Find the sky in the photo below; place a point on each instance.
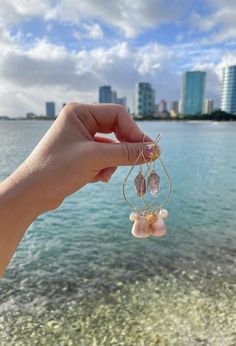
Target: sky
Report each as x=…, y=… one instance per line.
x=64, y=50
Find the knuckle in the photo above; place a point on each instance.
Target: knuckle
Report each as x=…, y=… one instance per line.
x=128, y=152
x=69, y=110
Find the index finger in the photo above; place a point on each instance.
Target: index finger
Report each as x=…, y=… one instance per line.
x=107, y=118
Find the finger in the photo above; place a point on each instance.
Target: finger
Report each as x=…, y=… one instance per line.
x=105, y=174
x=123, y=154
x=107, y=118
x=104, y=139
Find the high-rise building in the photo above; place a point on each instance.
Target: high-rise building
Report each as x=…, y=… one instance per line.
x=162, y=106
x=174, y=108
x=193, y=92
x=144, y=99
x=105, y=94
x=209, y=106
x=50, y=109
x=113, y=96
x=121, y=101
x=228, y=92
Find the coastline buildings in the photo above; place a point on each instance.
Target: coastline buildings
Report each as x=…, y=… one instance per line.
x=144, y=99
x=121, y=101
x=50, y=109
x=162, y=108
x=193, y=92
x=228, y=91
x=174, y=108
x=107, y=95
x=209, y=106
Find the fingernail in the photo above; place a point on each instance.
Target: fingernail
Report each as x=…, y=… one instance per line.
x=151, y=151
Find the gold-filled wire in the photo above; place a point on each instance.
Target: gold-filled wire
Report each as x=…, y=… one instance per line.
x=151, y=205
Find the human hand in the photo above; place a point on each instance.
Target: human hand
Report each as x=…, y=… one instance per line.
x=71, y=154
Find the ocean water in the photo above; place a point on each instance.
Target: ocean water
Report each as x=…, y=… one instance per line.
x=80, y=278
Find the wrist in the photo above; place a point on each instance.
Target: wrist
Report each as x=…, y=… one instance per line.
x=19, y=194
x=22, y=189
x=19, y=206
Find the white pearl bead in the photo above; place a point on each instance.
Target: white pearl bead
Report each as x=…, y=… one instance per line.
x=133, y=216
x=163, y=213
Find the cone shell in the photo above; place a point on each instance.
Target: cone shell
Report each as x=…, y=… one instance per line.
x=141, y=228
x=158, y=229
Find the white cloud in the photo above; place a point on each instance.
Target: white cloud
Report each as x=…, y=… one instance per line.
x=221, y=20
x=91, y=31
x=130, y=17
x=94, y=30
x=13, y=11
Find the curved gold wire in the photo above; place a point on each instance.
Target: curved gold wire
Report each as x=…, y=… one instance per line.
x=141, y=154
x=169, y=188
x=151, y=205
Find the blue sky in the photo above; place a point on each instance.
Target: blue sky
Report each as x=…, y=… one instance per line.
x=63, y=50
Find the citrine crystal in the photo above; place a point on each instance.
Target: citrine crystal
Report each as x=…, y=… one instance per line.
x=153, y=182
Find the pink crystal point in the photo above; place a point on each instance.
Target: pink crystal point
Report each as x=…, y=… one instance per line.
x=153, y=182
x=140, y=184
x=158, y=229
x=141, y=228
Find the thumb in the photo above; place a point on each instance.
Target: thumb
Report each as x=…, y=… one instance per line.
x=126, y=154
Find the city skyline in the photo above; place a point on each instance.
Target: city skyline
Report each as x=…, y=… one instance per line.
x=66, y=50
x=192, y=100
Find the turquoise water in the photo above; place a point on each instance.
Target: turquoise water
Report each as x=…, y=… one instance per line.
x=80, y=278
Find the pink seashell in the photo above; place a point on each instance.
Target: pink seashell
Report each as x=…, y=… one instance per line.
x=158, y=228
x=141, y=228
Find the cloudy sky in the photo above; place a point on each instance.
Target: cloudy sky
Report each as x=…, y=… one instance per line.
x=63, y=50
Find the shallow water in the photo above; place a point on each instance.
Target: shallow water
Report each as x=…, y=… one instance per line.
x=80, y=278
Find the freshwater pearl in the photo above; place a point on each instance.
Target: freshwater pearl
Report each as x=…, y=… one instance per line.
x=133, y=216
x=158, y=228
x=141, y=228
x=152, y=218
x=163, y=213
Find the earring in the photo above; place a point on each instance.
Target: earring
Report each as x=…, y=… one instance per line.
x=148, y=221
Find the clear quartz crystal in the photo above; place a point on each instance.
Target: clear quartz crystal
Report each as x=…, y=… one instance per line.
x=140, y=184
x=153, y=183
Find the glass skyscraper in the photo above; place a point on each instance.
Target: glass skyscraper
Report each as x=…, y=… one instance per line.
x=50, y=109
x=105, y=94
x=193, y=93
x=228, y=92
x=144, y=99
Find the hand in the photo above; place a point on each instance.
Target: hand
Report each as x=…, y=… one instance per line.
x=71, y=154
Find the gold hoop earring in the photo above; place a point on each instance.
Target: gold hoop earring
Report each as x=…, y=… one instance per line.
x=148, y=220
